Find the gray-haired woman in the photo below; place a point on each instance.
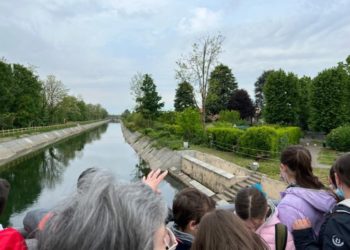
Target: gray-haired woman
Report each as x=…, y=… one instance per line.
x=109, y=216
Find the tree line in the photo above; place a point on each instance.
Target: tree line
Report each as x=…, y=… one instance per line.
x=26, y=100
x=318, y=104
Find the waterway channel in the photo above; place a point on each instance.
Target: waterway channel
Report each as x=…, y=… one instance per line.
x=48, y=176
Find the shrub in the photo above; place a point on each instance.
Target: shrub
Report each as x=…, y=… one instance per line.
x=223, y=137
x=137, y=121
x=339, y=138
x=190, y=123
x=173, y=129
x=287, y=136
x=258, y=141
x=229, y=116
x=168, y=117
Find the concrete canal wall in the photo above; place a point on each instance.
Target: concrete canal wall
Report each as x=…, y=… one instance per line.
x=210, y=174
x=11, y=150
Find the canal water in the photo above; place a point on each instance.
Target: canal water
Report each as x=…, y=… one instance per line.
x=50, y=175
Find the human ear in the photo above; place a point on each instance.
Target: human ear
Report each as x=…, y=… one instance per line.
x=338, y=181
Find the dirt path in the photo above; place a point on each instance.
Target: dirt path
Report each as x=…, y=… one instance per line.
x=315, y=151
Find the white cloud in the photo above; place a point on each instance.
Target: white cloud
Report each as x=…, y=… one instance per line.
x=202, y=20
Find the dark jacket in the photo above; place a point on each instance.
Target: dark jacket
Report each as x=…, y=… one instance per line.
x=184, y=240
x=334, y=233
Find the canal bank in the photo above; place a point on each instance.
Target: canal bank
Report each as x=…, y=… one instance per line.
x=17, y=148
x=212, y=175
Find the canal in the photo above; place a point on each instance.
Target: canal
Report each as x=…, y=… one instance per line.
x=50, y=175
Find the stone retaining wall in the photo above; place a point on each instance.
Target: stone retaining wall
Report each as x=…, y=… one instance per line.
x=14, y=149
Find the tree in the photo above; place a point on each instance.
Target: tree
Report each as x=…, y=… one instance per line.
x=222, y=84
x=241, y=101
x=27, y=104
x=328, y=99
x=184, y=97
x=259, y=86
x=304, y=85
x=196, y=67
x=281, y=98
x=149, y=103
x=6, y=96
x=54, y=92
x=135, y=85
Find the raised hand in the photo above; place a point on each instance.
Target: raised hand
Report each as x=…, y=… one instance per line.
x=154, y=178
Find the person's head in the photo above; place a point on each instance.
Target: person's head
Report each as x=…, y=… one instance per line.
x=108, y=216
x=332, y=181
x=342, y=172
x=91, y=175
x=189, y=206
x=251, y=206
x=296, y=168
x=221, y=229
x=4, y=192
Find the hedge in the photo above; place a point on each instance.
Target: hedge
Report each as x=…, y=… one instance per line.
x=267, y=141
x=339, y=138
x=224, y=138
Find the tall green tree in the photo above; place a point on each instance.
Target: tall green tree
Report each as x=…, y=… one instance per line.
x=328, y=99
x=27, y=90
x=259, y=87
x=149, y=103
x=281, y=98
x=222, y=85
x=304, y=88
x=184, y=97
x=6, y=96
x=241, y=101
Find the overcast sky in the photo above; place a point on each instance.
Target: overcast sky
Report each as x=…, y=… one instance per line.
x=95, y=46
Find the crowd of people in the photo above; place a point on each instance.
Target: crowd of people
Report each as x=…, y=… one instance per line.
x=103, y=214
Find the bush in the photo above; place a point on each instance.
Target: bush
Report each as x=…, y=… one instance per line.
x=190, y=123
x=229, y=116
x=339, y=138
x=224, y=138
x=287, y=136
x=268, y=141
x=173, y=129
x=258, y=141
x=168, y=117
x=137, y=121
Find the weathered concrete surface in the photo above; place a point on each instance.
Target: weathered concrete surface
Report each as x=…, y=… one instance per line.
x=156, y=158
x=206, y=172
x=11, y=150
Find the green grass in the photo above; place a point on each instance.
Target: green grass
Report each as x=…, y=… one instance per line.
x=327, y=156
x=268, y=167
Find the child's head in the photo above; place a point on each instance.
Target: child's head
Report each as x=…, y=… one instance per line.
x=296, y=168
x=332, y=181
x=251, y=206
x=4, y=192
x=221, y=229
x=342, y=171
x=189, y=206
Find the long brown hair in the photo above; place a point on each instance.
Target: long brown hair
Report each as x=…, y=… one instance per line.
x=298, y=159
x=250, y=203
x=223, y=230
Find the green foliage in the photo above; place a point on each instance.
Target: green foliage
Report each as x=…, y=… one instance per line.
x=136, y=121
x=149, y=103
x=268, y=141
x=258, y=141
x=168, y=117
x=222, y=84
x=287, y=136
x=329, y=102
x=241, y=101
x=224, y=138
x=184, y=97
x=229, y=116
x=259, y=86
x=339, y=138
x=190, y=122
x=281, y=98
x=304, y=87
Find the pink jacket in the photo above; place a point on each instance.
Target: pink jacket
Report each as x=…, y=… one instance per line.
x=267, y=232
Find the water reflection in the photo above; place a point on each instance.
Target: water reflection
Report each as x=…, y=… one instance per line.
x=28, y=176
